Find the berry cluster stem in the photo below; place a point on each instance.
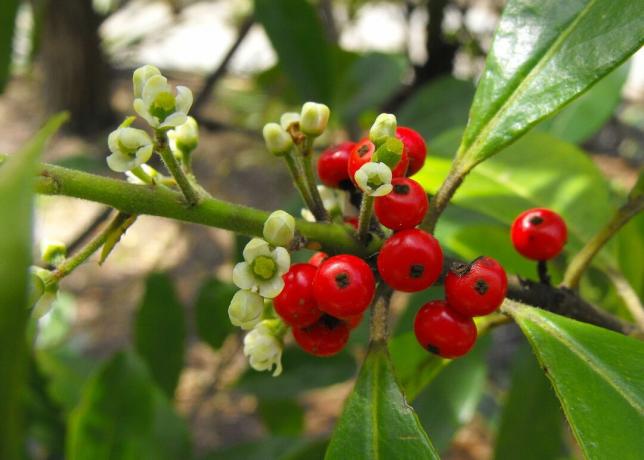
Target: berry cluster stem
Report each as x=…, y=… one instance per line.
x=299, y=181
x=318, y=209
x=378, y=328
x=366, y=210
x=439, y=202
x=162, y=148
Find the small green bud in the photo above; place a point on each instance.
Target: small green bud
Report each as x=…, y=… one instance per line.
x=42, y=291
x=279, y=228
x=185, y=137
x=246, y=309
x=278, y=141
x=383, y=128
x=314, y=118
x=52, y=252
x=288, y=119
x=389, y=152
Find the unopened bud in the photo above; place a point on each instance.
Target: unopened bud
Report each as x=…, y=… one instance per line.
x=246, y=309
x=279, y=228
x=52, y=252
x=288, y=119
x=278, y=141
x=314, y=118
x=383, y=128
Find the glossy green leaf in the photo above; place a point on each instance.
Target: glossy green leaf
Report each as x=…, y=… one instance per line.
x=451, y=399
x=587, y=114
x=531, y=423
x=356, y=94
x=160, y=331
x=377, y=422
x=296, y=33
x=16, y=203
x=598, y=376
x=8, y=13
x=282, y=417
x=437, y=106
x=544, y=54
x=211, y=312
x=123, y=415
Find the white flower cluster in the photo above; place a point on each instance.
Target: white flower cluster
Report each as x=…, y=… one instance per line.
x=259, y=277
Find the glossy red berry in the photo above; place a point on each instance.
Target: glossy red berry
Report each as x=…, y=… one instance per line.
x=411, y=260
x=539, y=234
x=344, y=286
x=353, y=321
x=404, y=207
x=296, y=304
x=443, y=331
x=325, y=337
x=476, y=289
x=363, y=151
x=415, y=146
x=332, y=166
x=317, y=258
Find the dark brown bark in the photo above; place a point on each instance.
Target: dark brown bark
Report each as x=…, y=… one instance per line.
x=75, y=73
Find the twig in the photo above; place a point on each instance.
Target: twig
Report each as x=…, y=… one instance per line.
x=89, y=230
x=318, y=210
x=189, y=192
x=299, y=181
x=378, y=326
x=629, y=296
x=211, y=80
x=443, y=196
x=364, y=222
x=542, y=271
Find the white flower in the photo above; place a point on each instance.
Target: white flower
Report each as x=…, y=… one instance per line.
x=246, y=309
x=383, y=128
x=374, y=179
x=288, y=119
x=329, y=197
x=278, y=141
x=184, y=138
x=314, y=118
x=279, y=228
x=141, y=76
x=263, y=349
x=157, y=104
x=130, y=148
x=262, y=268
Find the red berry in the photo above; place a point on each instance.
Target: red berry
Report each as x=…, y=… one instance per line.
x=317, y=258
x=363, y=151
x=476, y=289
x=353, y=321
x=539, y=234
x=443, y=331
x=332, y=166
x=411, y=260
x=326, y=337
x=415, y=146
x=353, y=221
x=296, y=303
x=404, y=207
x=344, y=286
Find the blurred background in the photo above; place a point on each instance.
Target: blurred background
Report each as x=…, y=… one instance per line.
x=246, y=63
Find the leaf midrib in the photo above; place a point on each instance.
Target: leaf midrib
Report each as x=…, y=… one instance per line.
x=519, y=89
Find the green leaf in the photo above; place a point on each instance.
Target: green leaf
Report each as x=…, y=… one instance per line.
x=544, y=54
x=451, y=399
x=16, y=203
x=296, y=33
x=160, y=332
x=362, y=89
x=211, y=311
x=586, y=115
x=123, y=415
x=8, y=13
x=437, y=106
x=302, y=372
x=273, y=448
x=598, y=377
x=531, y=422
x=282, y=417
x=377, y=422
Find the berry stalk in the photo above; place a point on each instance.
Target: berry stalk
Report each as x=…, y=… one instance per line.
x=364, y=222
x=161, y=147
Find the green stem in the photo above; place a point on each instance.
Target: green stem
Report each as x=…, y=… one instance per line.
x=439, y=202
x=378, y=327
x=366, y=210
x=69, y=264
x=318, y=210
x=584, y=257
x=299, y=181
x=161, y=147
x=145, y=177
x=156, y=201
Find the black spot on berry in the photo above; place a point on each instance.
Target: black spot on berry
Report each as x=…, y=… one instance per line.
x=536, y=220
x=460, y=268
x=481, y=286
x=416, y=270
x=342, y=280
x=363, y=150
x=401, y=189
x=433, y=349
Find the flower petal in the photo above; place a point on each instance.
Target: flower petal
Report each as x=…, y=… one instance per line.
x=155, y=85
x=282, y=259
x=383, y=190
x=119, y=162
x=184, y=99
x=112, y=141
x=271, y=288
x=144, y=153
x=243, y=277
x=173, y=120
x=255, y=248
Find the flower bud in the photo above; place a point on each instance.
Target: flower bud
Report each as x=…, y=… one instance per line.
x=389, y=152
x=263, y=349
x=278, y=141
x=141, y=76
x=157, y=103
x=288, y=119
x=130, y=148
x=184, y=138
x=43, y=290
x=383, y=128
x=279, y=228
x=314, y=118
x=374, y=179
x=246, y=309
x=52, y=252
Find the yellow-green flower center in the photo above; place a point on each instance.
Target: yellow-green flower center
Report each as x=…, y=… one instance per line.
x=374, y=181
x=264, y=267
x=163, y=106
